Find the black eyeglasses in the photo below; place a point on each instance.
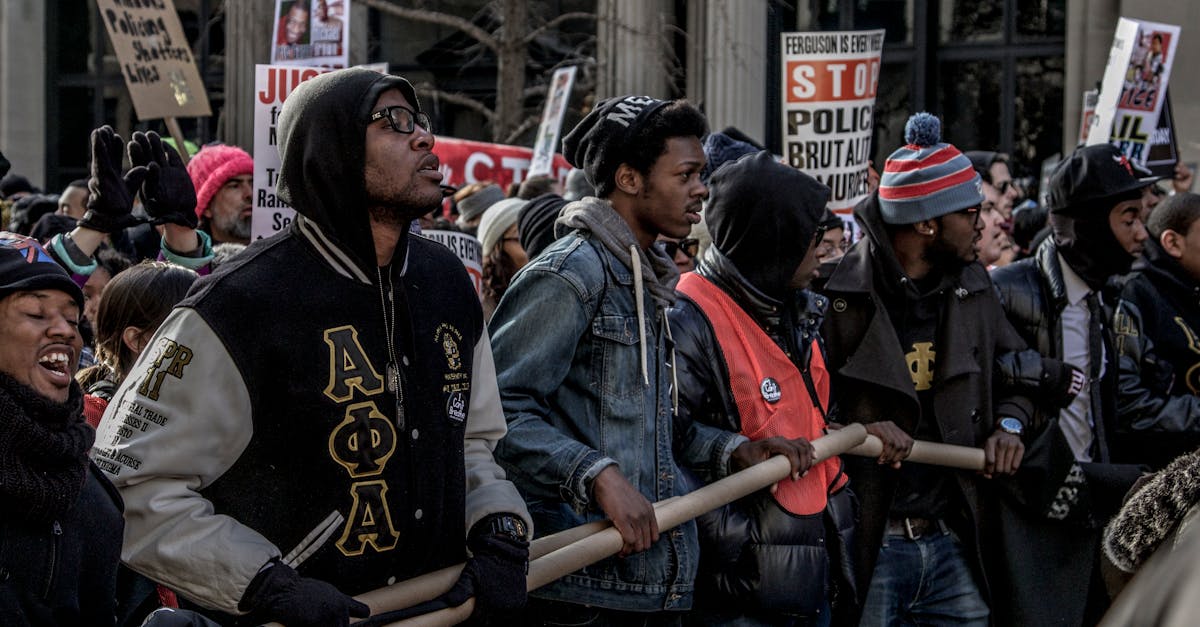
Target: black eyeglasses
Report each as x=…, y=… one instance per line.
x=1003, y=186
x=402, y=119
x=688, y=246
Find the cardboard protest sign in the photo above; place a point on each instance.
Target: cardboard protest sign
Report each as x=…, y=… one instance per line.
x=552, y=117
x=155, y=58
x=467, y=248
x=1087, y=115
x=311, y=32
x=1134, y=87
x=829, y=85
x=272, y=84
x=464, y=161
x=1164, y=147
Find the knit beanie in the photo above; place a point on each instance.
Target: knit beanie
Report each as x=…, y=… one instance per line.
x=578, y=185
x=496, y=221
x=535, y=225
x=927, y=178
x=212, y=167
x=597, y=144
x=26, y=266
x=474, y=205
x=720, y=148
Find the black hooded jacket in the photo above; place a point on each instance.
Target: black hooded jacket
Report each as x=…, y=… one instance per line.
x=265, y=405
x=1157, y=327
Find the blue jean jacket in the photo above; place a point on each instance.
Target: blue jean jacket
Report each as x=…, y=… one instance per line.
x=566, y=342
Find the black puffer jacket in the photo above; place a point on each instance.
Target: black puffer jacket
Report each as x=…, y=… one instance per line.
x=1157, y=328
x=754, y=555
x=63, y=572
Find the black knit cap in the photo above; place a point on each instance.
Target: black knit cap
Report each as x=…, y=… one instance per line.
x=762, y=215
x=597, y=143
x=535, y=224
x=26, y=266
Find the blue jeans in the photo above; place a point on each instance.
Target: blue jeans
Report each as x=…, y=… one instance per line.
x=923, y=582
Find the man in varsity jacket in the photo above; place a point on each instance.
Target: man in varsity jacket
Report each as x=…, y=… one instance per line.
x=316, y=419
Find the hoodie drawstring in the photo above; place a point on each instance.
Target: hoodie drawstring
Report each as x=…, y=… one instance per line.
x=635, y=254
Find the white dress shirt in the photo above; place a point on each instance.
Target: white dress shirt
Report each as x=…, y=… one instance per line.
x=1077, y=420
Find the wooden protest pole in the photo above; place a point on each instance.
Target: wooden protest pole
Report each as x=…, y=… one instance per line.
x=935, y=453
x=670, y=513
x=177, y=135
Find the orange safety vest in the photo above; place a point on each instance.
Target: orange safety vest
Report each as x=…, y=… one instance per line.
x=770, y=393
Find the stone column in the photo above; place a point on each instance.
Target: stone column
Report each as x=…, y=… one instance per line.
x=1090, y=28
x=633, y=48
x=247, y=25
x=730, y=79
x=23, y=87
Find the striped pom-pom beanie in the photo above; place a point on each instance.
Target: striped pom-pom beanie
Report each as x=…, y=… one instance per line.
x=926, y=178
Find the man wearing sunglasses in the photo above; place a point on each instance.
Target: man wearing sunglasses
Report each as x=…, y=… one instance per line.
x=998, y=185
x=912, y=334
x=316, y=420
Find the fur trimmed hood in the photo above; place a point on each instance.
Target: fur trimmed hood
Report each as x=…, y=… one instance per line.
x=1153, y=513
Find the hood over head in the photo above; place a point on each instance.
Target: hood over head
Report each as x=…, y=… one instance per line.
x=762, y=215
x=322, y=146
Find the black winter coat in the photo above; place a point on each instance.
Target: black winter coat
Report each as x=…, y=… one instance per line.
x=63, y=572
x=1043, y=559
x=756, y=556
x=1157, y=326
x=872, y=381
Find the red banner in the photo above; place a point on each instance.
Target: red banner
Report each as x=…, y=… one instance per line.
x=465, y=162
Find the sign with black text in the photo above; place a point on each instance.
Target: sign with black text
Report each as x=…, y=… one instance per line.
x=155, y=58
x=829, y=85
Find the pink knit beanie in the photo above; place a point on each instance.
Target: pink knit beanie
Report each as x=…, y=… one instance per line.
x=212, y=167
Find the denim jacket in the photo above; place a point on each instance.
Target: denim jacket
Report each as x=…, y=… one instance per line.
x=566, y=341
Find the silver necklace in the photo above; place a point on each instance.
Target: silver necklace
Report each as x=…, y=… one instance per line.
x=389, y=322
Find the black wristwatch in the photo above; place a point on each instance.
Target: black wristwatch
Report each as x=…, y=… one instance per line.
x=507, y=525
x=1011, y=425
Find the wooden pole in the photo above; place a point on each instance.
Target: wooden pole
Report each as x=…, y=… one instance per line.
x=935, y=453
x=177, y=135
x=670, y=514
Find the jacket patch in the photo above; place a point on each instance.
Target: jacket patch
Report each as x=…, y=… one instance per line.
x=920, y=365
x=456, y=407
x=171, y=359
x=362, y=443
x=449, y=338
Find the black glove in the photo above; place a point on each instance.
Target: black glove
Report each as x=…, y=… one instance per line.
x=167, y=193
x=280, y=594
x=110, y=204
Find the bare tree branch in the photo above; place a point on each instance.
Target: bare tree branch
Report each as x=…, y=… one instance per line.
x=458, y=99
x=529, y=123
x=554, y=23
x=434, y=17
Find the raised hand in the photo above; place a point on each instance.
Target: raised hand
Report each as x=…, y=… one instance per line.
x=167, y=192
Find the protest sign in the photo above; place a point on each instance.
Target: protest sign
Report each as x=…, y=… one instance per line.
x=1087, y=115
x=311, y=32
x=464, y=162
x=1164, y=147
x=155, y=59
x=552, y=116
x=272, y=84
x=829, y=85
x=467, y=248
x=1134, y=87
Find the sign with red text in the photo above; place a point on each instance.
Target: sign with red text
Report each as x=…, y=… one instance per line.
x=155, y=58
x=546, y=143
x=464, y=162
x=829, y=85
x=272, y=85
x=1134, y=87
x=1087, y=115
x=311, y=32
x=466, y=248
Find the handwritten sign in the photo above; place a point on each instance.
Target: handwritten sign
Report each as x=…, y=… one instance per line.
x=155, y=58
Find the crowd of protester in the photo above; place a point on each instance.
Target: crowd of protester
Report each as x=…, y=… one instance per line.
x=289, y=422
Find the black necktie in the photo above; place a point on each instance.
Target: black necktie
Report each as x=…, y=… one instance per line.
x=1095, y=361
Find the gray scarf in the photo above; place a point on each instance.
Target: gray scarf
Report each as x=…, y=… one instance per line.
x=597, y=216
